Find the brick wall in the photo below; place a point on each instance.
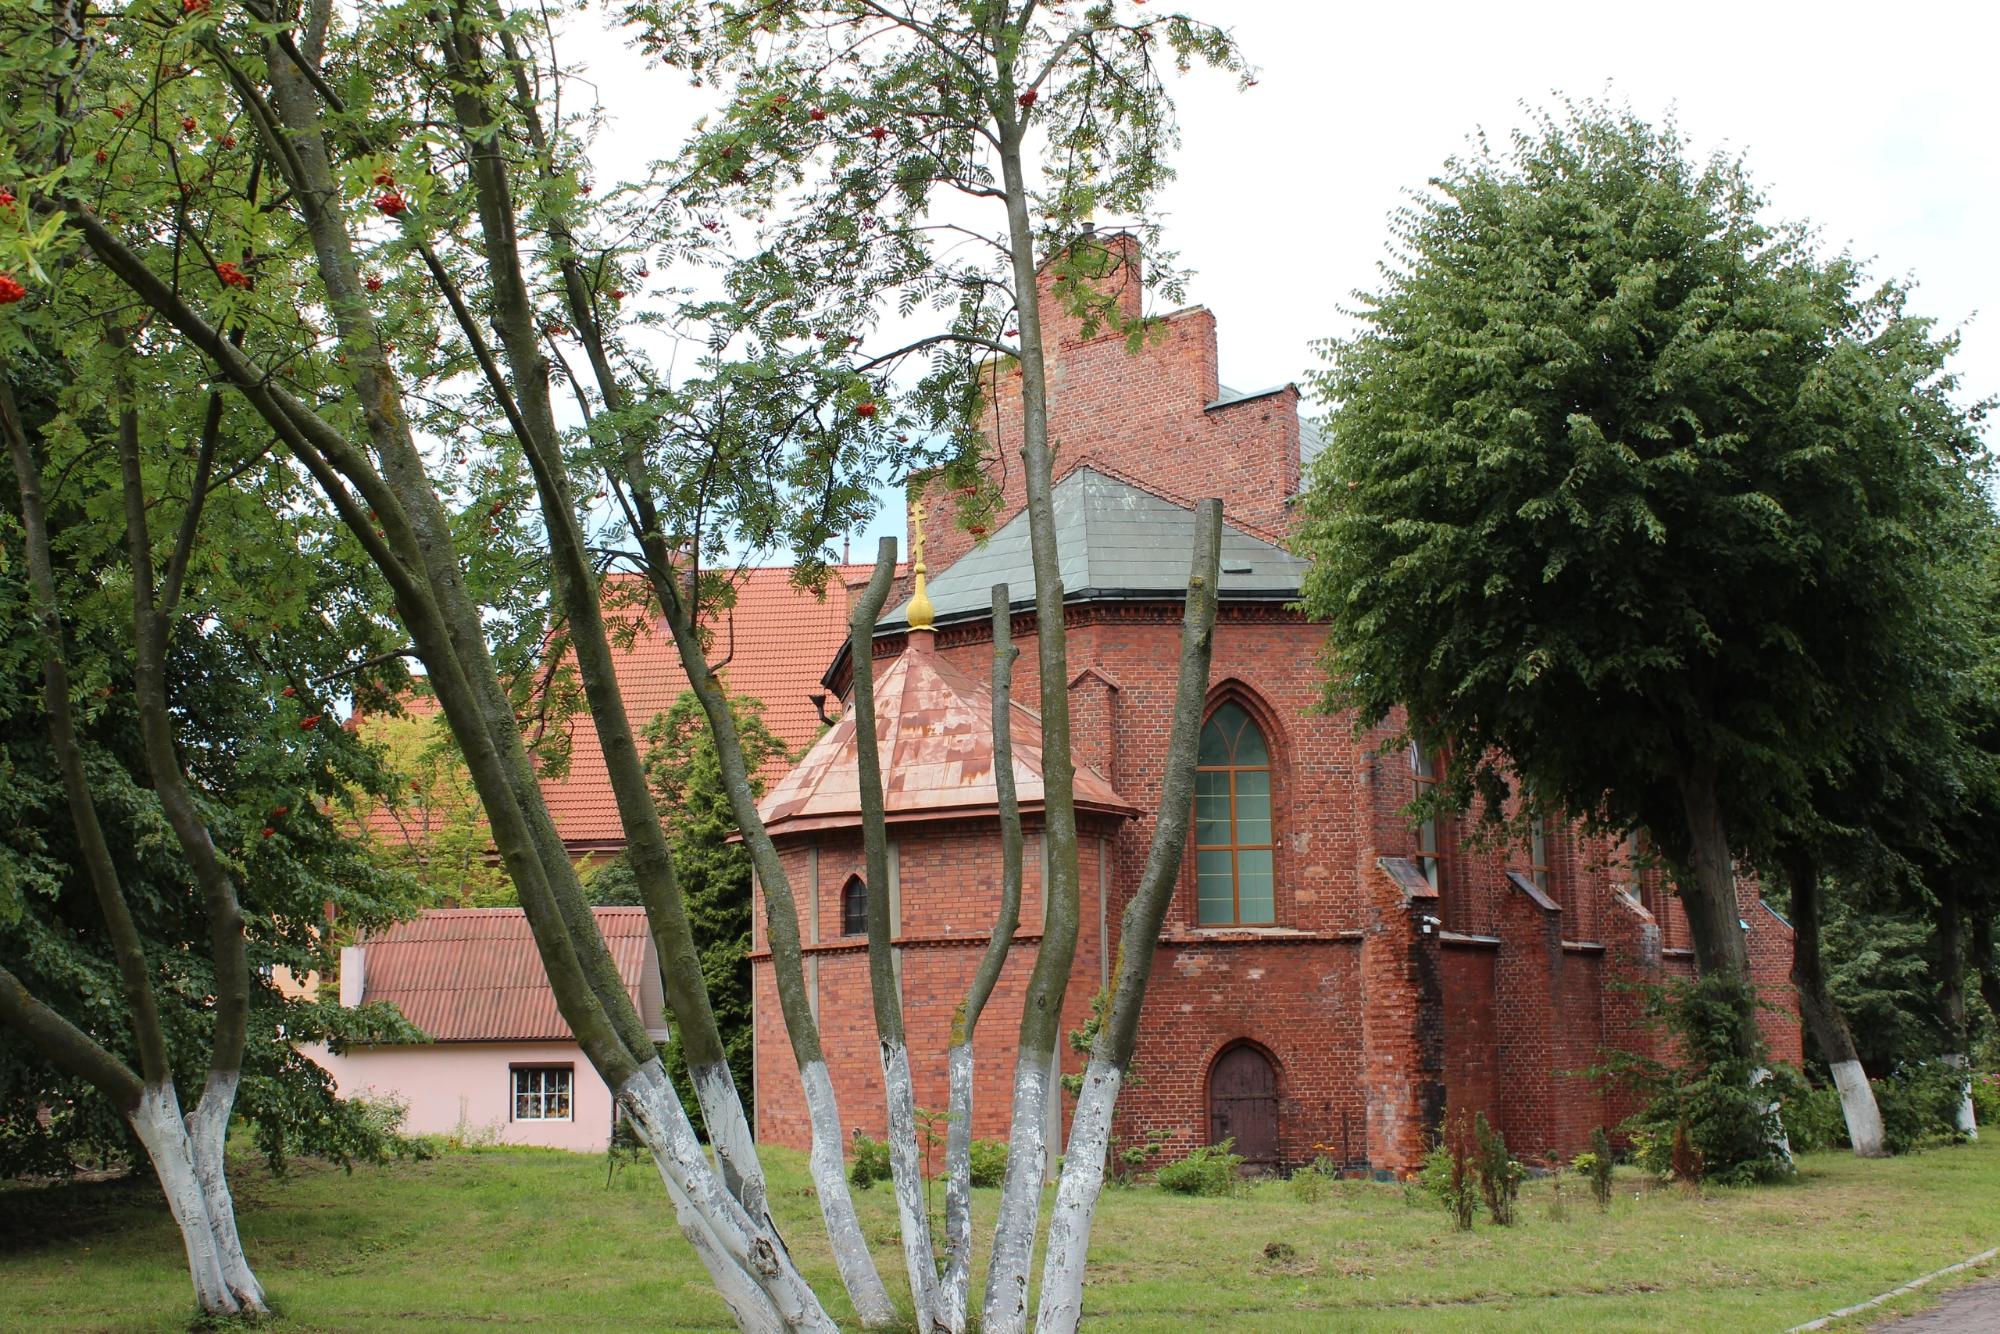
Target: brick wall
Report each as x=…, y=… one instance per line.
x=1371, y=1015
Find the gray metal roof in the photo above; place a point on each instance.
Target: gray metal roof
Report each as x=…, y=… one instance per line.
x=1116, y=542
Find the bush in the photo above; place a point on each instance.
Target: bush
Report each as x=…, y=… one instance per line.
x=1703, y=1118
x=871, y=1162
x=1814, y=1120
x=1596, y=1165
x=1986, y=1098
x=1500, y=1175
x=1308, y=1183
x=1448, y=1176
x=1919, y=1103
x=989, y=1161
x=1209, y=1170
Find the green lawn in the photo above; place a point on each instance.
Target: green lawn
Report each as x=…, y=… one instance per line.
x=477, y=1239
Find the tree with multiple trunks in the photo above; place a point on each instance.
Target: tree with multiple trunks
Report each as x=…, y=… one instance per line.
x=925, y=166
x=176, y=630
x=1628, y=496
x=399, y=257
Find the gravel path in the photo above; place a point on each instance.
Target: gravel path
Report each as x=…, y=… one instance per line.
x=1972, y=1309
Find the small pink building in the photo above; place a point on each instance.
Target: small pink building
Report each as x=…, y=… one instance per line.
x=501, y=1063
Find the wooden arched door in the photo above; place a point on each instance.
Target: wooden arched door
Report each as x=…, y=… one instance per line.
x=1243, y=1103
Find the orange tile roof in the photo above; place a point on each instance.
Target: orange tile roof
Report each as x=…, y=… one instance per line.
x=777, y=640
x=933, y=723
x=473, y=975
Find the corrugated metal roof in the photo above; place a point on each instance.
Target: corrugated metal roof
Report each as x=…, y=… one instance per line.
x=474, y=975
x=933, y=724
x=1115, y=540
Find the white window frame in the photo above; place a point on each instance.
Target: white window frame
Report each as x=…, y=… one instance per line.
x=549, y=1082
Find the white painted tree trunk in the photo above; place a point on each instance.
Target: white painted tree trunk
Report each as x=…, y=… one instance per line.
x=1779, y=1139
x=730, y=1139
x=208, y=1135
x=1006, y=1307
x=744, y=1258
x=1857, y=1105
x=906, y=1171
x=1968, y=1117
x=1076, y=1200
x=836, y=1203
x=158, y=1124
x=955, y=1290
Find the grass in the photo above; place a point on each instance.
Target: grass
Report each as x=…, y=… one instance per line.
x=475, y=1239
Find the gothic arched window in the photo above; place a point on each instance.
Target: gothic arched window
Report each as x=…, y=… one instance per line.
x=854, y=907
x=1232, y=809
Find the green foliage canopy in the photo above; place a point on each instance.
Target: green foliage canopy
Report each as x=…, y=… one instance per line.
x=1620, y=481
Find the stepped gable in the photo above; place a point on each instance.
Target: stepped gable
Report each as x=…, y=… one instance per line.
x=933, y=723
x=1117, y=541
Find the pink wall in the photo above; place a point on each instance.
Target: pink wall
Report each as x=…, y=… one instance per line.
x=450, y=1085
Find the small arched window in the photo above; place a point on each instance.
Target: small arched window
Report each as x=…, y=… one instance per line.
x=1423, y=783
x=854, y=907
x=1232, y=809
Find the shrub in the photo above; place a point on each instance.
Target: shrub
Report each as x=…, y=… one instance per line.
x=1448, y=1176
x=1919, y=1103
x=1598, y=1168
x=871, y=1162
x=1308, y=1183
x=1707, y=1114
x=1209, y=1170
x=1813, y=1117
x=989, y=1161
x=1986, y=1098
x=1500, y=1175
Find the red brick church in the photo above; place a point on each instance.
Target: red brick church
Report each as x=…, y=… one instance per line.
x=1330, y=977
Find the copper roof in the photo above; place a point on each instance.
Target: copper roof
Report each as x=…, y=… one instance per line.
x=933, y=723
x=473, y=974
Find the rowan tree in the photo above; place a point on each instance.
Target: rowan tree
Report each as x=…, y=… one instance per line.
x=176, y=634
x=1620, y=479
x=893, y=180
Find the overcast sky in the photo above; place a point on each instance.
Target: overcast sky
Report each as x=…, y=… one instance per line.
x=1877, y=124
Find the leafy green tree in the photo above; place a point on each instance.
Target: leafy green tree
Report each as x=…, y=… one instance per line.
x=174, y=839
x=1620, y=479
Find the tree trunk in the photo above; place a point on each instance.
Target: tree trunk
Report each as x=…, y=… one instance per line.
x=1036, y=1064
x=905, y=1162
x=1138, y=938
x=157, y=1123
x=957, y=1284
x=828, y=1155
x=1951, y=995
x=1823, y=1017
x=533, y=417
x=1708, y=894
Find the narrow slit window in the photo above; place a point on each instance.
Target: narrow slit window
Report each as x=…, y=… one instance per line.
x=1234, y=846
x=1538, y=853
x=1423, y=782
